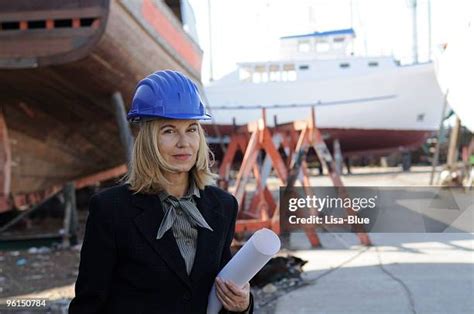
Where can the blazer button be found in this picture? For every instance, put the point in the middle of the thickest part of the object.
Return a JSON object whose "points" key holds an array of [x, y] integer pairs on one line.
{"points": [[187, 296]]}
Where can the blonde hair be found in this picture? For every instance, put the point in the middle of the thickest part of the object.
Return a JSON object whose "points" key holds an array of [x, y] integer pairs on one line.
{"points": [[146, 167]]}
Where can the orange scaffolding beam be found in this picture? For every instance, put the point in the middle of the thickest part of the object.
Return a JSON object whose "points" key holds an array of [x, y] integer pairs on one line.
{"points": [[262, 210]]}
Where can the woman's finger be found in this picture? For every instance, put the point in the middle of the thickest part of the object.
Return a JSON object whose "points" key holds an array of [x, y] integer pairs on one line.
{"points": [[225, 288], [222, 289], [224, 299], [233, 288], [247, 287]]}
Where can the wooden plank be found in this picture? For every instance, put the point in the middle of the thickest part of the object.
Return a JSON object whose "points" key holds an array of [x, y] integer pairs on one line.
{"points": [[150, 17], [101, 176]]}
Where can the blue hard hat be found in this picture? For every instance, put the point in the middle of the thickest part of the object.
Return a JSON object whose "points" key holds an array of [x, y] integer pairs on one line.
{"points": [[167, 94]]}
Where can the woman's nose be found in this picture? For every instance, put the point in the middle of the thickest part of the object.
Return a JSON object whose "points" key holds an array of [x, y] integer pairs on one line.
{"points": [[182, 141]]}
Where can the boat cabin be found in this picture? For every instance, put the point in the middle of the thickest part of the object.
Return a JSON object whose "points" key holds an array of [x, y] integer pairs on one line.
{"points": [[321, 45]]}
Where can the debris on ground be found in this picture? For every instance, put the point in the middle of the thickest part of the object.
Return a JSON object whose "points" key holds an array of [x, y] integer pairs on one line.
{"points": [[279, 276], [278, 268]]}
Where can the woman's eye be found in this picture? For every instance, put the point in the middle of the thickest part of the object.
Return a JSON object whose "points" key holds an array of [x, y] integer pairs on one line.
{"points": [[168, 131], [192, 130]]}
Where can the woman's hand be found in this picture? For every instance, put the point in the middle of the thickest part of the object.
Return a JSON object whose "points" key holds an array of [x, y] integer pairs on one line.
{"points": [[232, 297]]}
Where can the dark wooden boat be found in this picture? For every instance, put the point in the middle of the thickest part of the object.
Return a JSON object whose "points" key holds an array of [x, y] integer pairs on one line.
{"points": [[60, 63]]}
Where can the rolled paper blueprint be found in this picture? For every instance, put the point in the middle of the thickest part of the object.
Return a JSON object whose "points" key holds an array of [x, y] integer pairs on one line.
{"points": [[258, 250]]}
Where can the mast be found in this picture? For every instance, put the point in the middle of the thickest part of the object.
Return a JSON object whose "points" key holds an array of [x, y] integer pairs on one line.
{"points": [[211, 70], [352, 24], [429, 30], [413, 4]]}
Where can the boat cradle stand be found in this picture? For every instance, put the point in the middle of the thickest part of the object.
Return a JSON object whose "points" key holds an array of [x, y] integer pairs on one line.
{"points": [[296, 139]]}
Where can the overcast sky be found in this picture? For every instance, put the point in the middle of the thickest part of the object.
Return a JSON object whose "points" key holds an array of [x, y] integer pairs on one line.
{"points": [[249, 30]]}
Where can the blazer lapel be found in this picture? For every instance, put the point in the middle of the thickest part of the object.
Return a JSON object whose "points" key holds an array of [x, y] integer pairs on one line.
{"points": [[208, 241], [148, 223]]}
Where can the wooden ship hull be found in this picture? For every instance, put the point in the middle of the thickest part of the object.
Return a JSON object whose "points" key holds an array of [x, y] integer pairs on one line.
{"points": [[60, 64]]}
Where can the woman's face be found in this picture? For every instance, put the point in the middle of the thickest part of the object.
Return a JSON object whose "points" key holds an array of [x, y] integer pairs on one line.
{"points": [[178, 142]]}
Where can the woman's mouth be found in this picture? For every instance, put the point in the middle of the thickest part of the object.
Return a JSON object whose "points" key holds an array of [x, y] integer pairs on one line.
{"points": [[182, 156]]}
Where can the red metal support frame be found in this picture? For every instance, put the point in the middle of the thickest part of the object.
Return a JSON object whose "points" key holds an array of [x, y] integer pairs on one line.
{"points": [[311, 137], [262, 210], [238, 142]]}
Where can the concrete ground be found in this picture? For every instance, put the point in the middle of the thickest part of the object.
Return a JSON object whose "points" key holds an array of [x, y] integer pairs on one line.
{"points": [[400, 273]]}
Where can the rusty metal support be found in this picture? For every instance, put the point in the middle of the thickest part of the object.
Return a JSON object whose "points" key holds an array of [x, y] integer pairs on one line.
{"points": [[70, 215], [124, 129]]}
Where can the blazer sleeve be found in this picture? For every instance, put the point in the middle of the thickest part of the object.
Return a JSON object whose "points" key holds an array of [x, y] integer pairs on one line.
{"points": [[227, 254], [98, 257]]}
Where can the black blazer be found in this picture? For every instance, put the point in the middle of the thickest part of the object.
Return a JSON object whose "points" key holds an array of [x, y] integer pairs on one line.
{"points": [[125, 269]]}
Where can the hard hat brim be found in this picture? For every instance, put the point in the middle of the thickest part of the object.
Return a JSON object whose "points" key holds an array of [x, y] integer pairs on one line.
{"points": [[184, 116]]}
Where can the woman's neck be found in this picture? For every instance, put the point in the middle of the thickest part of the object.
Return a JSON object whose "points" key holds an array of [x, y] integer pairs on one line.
{"points": [[179, 183]]}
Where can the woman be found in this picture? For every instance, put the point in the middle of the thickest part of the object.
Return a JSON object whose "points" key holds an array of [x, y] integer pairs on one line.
{"points": [[156, 243]]}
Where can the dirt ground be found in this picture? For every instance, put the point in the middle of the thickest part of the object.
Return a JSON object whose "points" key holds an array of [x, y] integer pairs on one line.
{"points": [[44, 272], [25, 273]]}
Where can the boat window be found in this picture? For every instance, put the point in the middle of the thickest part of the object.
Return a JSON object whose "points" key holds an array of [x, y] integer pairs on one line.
{"points": [[322, 47], [260, 68], [291, 75], [338, 43], [10, 25], [337, 46], [256, 77], [63, 23], [46, 24], [304, 67], [303, 46], [245, 74], [87, 22], [274, 70], [344, 65], [260, 74], [289, 72], [36, 24], [373, 64]]}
